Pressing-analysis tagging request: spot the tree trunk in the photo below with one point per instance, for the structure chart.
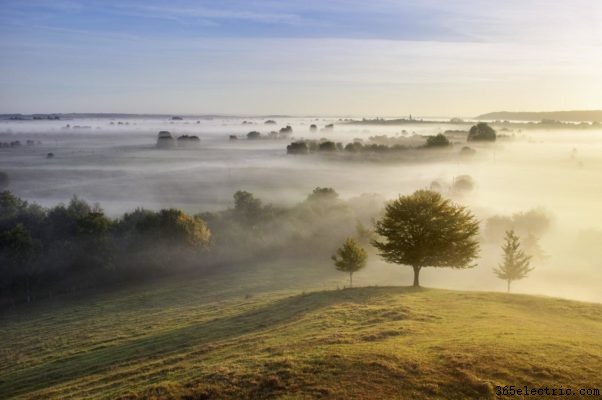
(509, 285)
(416, 276)
(351, 279)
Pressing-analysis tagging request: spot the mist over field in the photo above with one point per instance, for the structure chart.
(115, 162)
(263, 200)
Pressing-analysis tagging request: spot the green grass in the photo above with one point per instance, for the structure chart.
(205, 339)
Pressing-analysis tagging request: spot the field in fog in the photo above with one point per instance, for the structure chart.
(119, 166)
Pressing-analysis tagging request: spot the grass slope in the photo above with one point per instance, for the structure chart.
(195, 340)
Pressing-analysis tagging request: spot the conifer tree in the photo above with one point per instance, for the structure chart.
(516, 264)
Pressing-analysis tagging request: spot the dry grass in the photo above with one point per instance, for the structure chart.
(194, 340)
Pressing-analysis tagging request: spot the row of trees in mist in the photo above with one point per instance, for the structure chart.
(480, 132)
(68, 247)
(72, 247)
(328, 146)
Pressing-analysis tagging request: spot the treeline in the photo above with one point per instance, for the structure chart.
(74, 247)
(327, 146)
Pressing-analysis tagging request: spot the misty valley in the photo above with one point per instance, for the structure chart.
(177, 257)
(299, 200)
(541, 183)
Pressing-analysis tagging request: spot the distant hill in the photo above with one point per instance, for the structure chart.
(573, 116)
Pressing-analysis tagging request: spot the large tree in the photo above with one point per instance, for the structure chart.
(516, 264)
(350, 258)
(427, 230)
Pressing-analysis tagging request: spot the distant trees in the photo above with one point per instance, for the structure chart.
(247, 207)
(323, 194)
(481, 132)
(463, 183)
(516, 264)
(530, 226)
(285, 131)
(297, 148)
(426, 230)
(383, 144)
(350, 258)
(327, 146)
(467, 151)
(164, 140)
(253, 135)
(437, 141)
(77, 246)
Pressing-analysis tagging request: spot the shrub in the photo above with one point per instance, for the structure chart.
(481, 132)
(439, 140)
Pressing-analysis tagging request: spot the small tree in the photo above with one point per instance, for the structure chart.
(253, 135)
(516, 263)
(481, 132)
(439, 140)
(426, 230)
(350, 257)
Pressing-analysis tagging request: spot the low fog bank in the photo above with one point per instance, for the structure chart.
(120, 167)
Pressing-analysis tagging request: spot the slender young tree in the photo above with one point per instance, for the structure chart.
(427, 230)
(516, 264)
(351, 257)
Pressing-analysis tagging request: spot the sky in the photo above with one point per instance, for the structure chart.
(315, 57)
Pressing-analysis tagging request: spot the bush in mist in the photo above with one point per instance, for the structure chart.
(297, 148)
(530, 226)
(437, 141)
(248, 208)
(255, 229)
(350, 258)
(287, 130)
(516, 264)
(170, 227)
(467, 151)
(463, 183)
(354, 147)
(436, 186)
(327, 146)
(367, 207)
(165, 140)
(253, 135)
(326, 195)
(426, 230)
(481, 132)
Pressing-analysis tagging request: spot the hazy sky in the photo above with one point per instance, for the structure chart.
(352, 57)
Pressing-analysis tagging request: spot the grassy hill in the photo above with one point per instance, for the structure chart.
(203, 339)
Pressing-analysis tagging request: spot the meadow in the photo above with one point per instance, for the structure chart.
(255, 332)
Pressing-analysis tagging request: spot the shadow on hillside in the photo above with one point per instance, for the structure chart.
(266, 317)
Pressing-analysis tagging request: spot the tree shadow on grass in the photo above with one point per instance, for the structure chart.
(177, 340)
